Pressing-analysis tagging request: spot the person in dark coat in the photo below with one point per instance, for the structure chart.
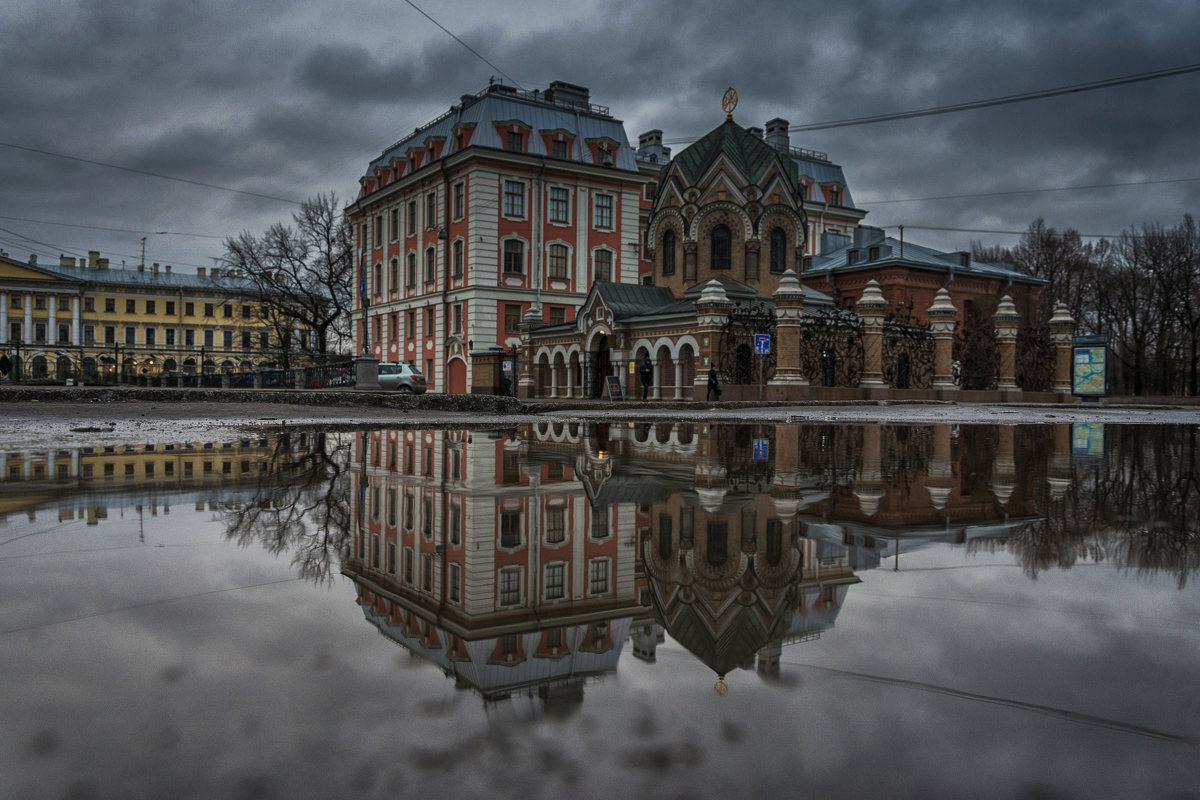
(714, 385)
(646, 373)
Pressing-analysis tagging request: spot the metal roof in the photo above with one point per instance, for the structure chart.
(503, 104)
(149, 279)
(750, 154)
(838, 260)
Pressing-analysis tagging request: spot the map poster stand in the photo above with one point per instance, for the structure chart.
(614, 388)
(1089, 367)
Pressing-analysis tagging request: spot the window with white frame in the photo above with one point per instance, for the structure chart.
(557, 260)
(410, 272)
(556, 575)
(510, 529)
(455, 582)
(598, 576)
(556, 527)
(514, 256)
(430, 264)
(411, 221)
(394, 276)
(602, 265)
(458, 258)
(602, 211)
(514, 199)
(510, 586)
(460, 200)
(431, 214)
(394, 226)
(560, 205)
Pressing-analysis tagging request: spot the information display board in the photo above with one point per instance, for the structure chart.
(614, 388)
(1089, 364)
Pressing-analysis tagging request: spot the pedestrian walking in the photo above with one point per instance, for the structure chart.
(714, 385)
(646, 373)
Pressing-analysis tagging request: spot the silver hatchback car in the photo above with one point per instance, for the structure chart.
(402, 378)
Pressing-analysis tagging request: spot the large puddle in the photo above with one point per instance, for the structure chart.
(686, 610)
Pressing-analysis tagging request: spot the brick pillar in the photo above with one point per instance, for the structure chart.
(869, 487)
(941, 325)
(712, 312)
(1062, 333)
(940, 478)
(1006, 320)
(870, 310)
(789, 310)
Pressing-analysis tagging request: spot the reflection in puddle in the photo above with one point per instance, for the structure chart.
(525, 563)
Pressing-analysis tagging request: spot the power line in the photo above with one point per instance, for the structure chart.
(1011, 233)
(970, 105)
(115, 230)
(137, 171)
(1030, 191)
(464, 44)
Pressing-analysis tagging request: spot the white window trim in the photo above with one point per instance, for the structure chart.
(566, 587)
(612, 211)
(570, 259)
(520, 572)
(608, 580)
(524, 255)
(570, 199)
(614, 263)
(524, 199)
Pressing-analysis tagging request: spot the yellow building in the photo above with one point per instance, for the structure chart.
(90, 322)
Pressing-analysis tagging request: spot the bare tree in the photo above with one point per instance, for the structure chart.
(303, 273)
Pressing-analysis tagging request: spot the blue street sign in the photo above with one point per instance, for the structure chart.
(762, 449)
(762, 343)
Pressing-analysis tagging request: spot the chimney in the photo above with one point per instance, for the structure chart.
(757, 133)
(168, 269)
(200, 271)
(83, 263)
(832, 240)
(568, 94)
(93, 257)
(102, 264)
(866, 235)
(65, 261)
(155, 268)
(777, 134)
(650, 147)
(141, 267)
(33, 259)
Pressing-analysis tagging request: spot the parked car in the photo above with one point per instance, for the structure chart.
(402, 378)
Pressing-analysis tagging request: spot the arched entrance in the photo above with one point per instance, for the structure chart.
(456, 376)
(600, 367)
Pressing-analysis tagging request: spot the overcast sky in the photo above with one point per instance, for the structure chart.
(288, 100)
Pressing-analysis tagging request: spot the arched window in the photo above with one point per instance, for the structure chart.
(778, 250)
(668, 253)
(720, 247)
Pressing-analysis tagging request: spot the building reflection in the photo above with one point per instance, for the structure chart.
(521, 560)
(87, 482)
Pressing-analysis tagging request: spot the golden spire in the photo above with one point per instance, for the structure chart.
(729, 102)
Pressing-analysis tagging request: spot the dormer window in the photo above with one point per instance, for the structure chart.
(852, 257)
(558, 149)
(515, 142)
(873, 253)
(606, 156)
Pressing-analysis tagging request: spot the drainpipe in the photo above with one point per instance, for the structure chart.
(537, 233)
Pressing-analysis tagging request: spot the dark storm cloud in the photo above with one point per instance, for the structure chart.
(296, 100)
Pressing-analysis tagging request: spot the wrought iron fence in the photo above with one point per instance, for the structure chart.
(735, 350)
(831, 348)
(907, 354)
(1035, 358)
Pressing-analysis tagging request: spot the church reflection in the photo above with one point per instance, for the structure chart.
(520, 561)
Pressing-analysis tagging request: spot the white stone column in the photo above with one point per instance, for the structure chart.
(656, 386)
(678, 379)
(570, 378)
(76, 330)
(3, 316)
(553, 379)
(27, 333)
(52, 324)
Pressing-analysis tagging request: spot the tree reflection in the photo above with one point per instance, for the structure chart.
(300, 503)
(1138, 506)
